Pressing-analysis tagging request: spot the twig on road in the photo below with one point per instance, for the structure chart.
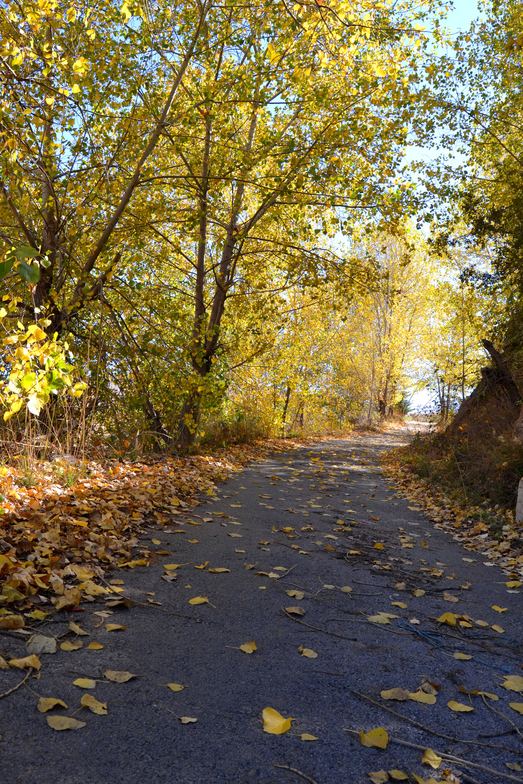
(21, 683)
(297, 772)
(319, 629)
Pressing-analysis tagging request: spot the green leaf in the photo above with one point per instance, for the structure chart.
(6, 267)
(30, 272)
(25, 252)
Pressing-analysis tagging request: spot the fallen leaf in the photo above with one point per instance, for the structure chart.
(511, 682)
(395, 694)
(306, 736)
(85, 683)
(76, 629)
(379, 777)
(94, 705)
(64, 723)
(71, 645)
(11, 622)
(307, 652)
(274, 723)
(499, 609)
(176, 687)
(377, 738)
(517, 706)
(26, 663)
(458, 707)
(295, 594)
(218, 570)
(95, 646)
(187, 720)
(462, 656)
(295, 610)
(422, 696)
(451, 619)
(398, 775)
(199, 600)
(249, 647)
(115, 627)
(431, 758)
(38, 643)
(381, 617)
(49, 703)
(119, 676)
(70, 598)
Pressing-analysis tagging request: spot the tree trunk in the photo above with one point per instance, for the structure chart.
(285, 410)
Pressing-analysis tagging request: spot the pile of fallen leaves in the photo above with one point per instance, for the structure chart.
(56, 543)
(501, 543)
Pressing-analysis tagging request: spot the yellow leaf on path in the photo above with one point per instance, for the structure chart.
(307, 652)
(26, 663)
(516, 706)
(274, 723)
(249, 647)
(48, 703)
(115, 627)
(218, 570)
(379, 777)
(187, 720)
(462, 656)
(94, 705)
(85, 683)
(451, 619)
(199, 600)
(295, 594)
(11, 622)
(395, 694)
(70, 598)
(295, 610)
(499, 609)
(346, 589)
(458, 707)
(71, 645)
(76, 629)
(95, 646)
(401, 605)
(64, 723)
(422, 696)
(431, 758)
(377, 738)
(381, 617)
(511, 682)
(497, 628)
(513, 584)
(307, 736)
(119, 676)
(171, 567)
(398, 775)
(176, 687)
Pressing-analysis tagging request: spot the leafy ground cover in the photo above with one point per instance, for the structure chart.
(57, 542)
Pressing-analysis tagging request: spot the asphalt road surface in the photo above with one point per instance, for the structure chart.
(319, 520)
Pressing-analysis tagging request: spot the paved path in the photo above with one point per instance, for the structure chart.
(280, 518)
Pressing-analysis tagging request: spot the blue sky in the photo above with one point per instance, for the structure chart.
(464, 12)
